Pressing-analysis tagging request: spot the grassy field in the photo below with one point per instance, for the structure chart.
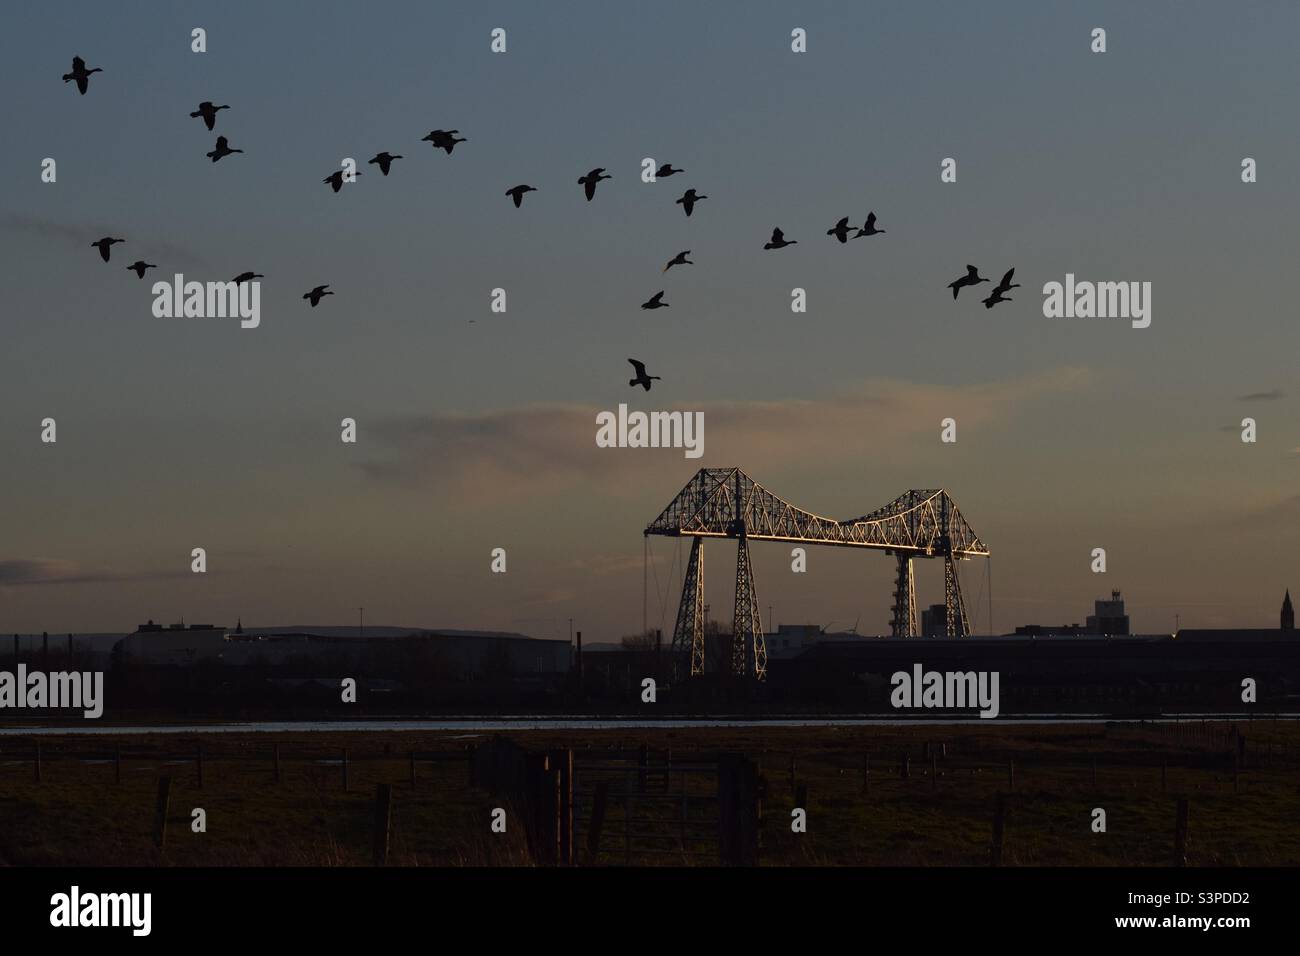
(78, 813)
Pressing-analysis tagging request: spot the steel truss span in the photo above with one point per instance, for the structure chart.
(727, 503)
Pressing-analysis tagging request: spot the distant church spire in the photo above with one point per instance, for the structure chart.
(1288, 614)
(239, 625)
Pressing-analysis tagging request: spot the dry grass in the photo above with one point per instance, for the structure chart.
(79, 815)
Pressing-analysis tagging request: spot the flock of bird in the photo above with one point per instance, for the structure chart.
(973, 277)
(447, 140)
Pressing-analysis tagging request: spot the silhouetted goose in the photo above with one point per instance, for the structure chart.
(972, 277)
(139, 266)
(870, 228)
(642, 378)
(315, 294)
(80, 74)
(444, 139)
(841, 230)
(679, 260)
(517, 193)
(222, 149)
(778, 240)
(335, 179)
(689, 199)
(995, 297)
(655, 301)
(588, 182)
(667, 170)
(1005, 284)
(385, 161)
(103, 245)
(208, 112)
(247, 277)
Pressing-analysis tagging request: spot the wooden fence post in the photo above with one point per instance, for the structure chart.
(383, 819)
(999, 830)
(1011, 775)
(737, 811)
(1180, 833)
(599, 801)
(555, 816)
(160, 811)
(565, 808)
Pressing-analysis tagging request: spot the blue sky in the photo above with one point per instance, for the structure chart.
(1072, 435)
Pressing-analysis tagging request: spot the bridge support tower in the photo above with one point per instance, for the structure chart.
(688, 635)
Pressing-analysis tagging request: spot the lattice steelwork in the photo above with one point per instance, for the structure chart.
(748, 646)
(903, 623)
(688, 635)
(914, 522)
(727, 503)
(958, 626)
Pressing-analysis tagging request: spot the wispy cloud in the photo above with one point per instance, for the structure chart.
(1271, 395)
(534, 448)
(1281, 517)
(21, 572)
(83, 234)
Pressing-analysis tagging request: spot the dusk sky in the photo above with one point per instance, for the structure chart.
(1073, 434)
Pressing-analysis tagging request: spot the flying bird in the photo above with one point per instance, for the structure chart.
(588, 182)
(972, 277)
(103, 245)
(247, 277)
(655, 301)
(870, 228)
(1004, 286)
(315, 294)
(80, 74)
(517, 193)
(444, 139)
(642, 378)
(778, 240)
(667, 170)
(335, 179)
(385, 161)
(208, 112)
(140, 265)
(222, 149)
(689, 199)
(994, 298)
(679, 260)
(841, 230)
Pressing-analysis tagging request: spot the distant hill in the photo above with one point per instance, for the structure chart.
(375, 631)
(100, 642)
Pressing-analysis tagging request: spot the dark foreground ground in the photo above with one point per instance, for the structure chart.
(1243, 798)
